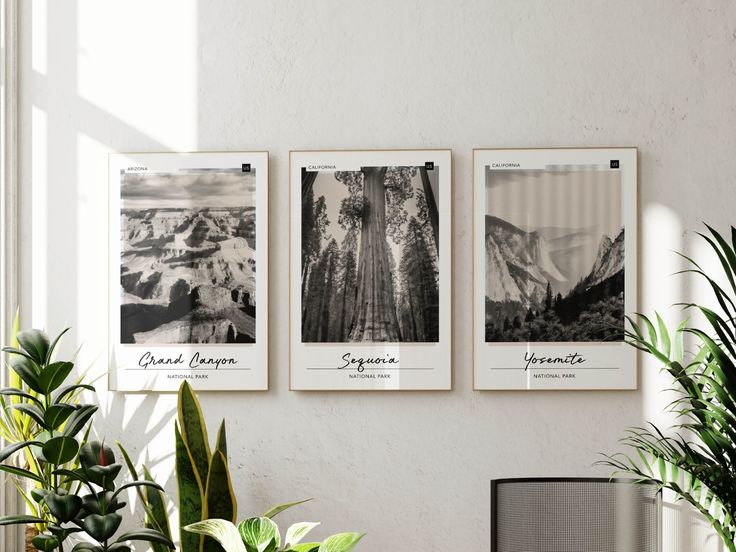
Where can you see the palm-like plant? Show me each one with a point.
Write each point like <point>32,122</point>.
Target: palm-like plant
<point>698,461</point>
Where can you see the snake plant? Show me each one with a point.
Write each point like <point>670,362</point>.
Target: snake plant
<point>202,475</point>
<point>696,458</point>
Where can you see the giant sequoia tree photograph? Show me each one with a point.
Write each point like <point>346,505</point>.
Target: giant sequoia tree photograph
<point>370,255</point>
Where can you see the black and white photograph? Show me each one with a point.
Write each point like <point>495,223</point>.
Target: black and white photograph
<point>554,268</point>
<point>369,255</point>
<point>188,270</point>
<point>187,265</point>
<point>370,269</point>
<point>554,255</point>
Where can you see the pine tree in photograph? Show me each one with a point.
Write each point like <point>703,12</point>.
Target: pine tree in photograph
<point>314,224</point>
<point>345,299</point>
<point>331,256</point>
<point>419,292</point>
<point>431,205</point>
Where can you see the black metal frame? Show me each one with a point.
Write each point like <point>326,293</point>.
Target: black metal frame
<point>496,482</point>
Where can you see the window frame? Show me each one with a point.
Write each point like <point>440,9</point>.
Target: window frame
<point>10,502</point>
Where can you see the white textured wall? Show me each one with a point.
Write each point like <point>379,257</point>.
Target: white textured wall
<point>411,469</point>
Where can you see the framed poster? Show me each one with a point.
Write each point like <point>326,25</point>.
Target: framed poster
<point>188,298</point>
<point>370,270</point>
<point>554,268</point>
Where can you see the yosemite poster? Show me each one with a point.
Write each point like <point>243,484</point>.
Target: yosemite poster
<point>555,237</point>
<point>189,258</point>
<point>370,300</point>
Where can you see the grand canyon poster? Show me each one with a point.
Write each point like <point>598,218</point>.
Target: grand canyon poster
<point>370,269</point>
<point>555,274</point>
<point>188,270</point>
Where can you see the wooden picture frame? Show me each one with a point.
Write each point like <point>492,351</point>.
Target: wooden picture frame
<point>554,249</point>
<point>368,229</point>
<point>187,231</point>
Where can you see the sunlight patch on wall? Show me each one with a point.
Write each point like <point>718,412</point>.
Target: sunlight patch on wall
<point>39,34</point>
<point>139,71</point>
<point>39,236</point>
<point>91,270</point>
<point>661,236</point>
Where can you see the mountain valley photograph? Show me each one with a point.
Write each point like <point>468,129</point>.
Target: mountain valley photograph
<point>554,256</point>
<point>370,255</point>
<point>187,266</point>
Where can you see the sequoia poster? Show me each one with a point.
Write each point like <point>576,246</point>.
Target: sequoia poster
<point>370,270</point>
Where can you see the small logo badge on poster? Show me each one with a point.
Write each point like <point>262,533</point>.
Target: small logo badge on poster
<point>246,167</point>
<point>614,164</point>
<point>429,165</point>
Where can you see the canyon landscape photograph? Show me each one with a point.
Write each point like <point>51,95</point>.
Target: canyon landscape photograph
<point>554,256</point>
<point>188,264</point>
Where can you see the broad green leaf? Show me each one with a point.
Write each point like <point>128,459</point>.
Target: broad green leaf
<point>101,528</point>
<point>104,476</point>
<point>60,450</point>
<point>31,410</point>
<point>35,343</point>
<point>281,507</point>
<point>63,507</point>
<point>45,543</point>
<point>297,532</point>
<point>191,494</point>
<point>222,531</point>
<point>341,542</point>
<point>26,370</point>
<point>57,414</point>
<point>79,419</point>
<point>146,535</point>
<point>54,375</point>
<point>257,532</point>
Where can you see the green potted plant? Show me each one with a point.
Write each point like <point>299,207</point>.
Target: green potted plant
<point>696,458</point>
<point>74,480</point>
<point>207,504</point>
<point>261,534</point>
